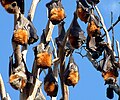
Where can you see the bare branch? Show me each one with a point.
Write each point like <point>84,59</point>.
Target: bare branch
<point>48,31</point>
<point>104,27</point>
<point>3,93</point>
<point>32,9</point>
<point>118,20</point>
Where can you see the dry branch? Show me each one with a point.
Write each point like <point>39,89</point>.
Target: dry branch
<point>3,93</point>
<point>31,94</point>
<point>32,9</point>
<point>104,27</point>
<point>48,31</point>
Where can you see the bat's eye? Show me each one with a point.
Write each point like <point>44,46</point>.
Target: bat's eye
<point>20,79</point>
<point>14,4</point>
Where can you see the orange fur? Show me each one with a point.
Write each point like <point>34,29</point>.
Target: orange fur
<point>82,14</point>
<point>12,77</point>
<point>49,88</point>
<point>20,36</point>
<point>57,14</point>
<point>15,83</point>
<point>93,29</point>
<point>107,75</point>
<point>73,77</point>
<point>44,60</point>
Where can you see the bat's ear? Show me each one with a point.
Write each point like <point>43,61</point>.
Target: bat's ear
<point>56,12</point>
<point>21,5</point>
<point>93,2</point>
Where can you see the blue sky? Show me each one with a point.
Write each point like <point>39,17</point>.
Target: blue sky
<point>91,85</point>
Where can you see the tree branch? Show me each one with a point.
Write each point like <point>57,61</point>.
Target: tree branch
<point>104,27</point>
<point>3,93</point>
<point>32,9</point>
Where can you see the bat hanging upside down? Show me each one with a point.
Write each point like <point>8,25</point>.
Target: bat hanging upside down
<point>76,35</point>
<point>82,10</point>
<point>19,76</point>
<point>50,84</point>
<point>56,12</point>
<point>71,74</point>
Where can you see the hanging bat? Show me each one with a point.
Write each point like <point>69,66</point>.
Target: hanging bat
<point>50,84</point>
<point>83,10</point>
<point>110,73</point>
<point>110,93</point>
<point>95,46</point>
<point>24,32</point>
<point>93,2</point>
<point>56,12</point>
<point>76,35</point>
<point>71,74</point>
<point>19,76</point>
<point>43,56</point>
<point>93,27</point>
<point>13,6</point>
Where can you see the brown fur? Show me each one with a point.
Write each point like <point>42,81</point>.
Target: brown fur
<point>57,14</point>
<point>74,41</point>
<point>44,60</point>
<point>17,85</point>
<point>107,75</point>
<point>49,88</point>
<point>82,14</point>
<point>93,29</point>
<point>73,77</point>
<point>20,36</point>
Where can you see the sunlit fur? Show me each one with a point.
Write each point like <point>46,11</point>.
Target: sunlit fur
<point>93,29</point>
<point>44,60</point>
<point>82,14</point>
<point>17,82</point>
<point>73,77</point>
<point>49,88</point>
<point>20,36</point>
<point>57,15</point>
<point>109,74</point>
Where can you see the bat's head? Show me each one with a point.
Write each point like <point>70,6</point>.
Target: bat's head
<point>10,7</point>
<point>56,12</point>
<point>18,80</point>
